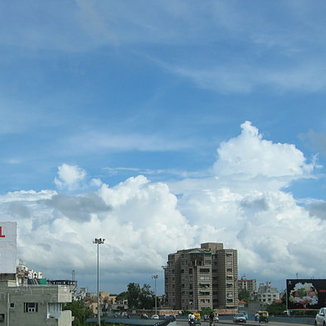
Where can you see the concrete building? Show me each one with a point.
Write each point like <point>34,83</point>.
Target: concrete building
<point>248,285</point>
<point>202,277</point>
<point>26,298</point>
<point>266,294</point>
<point>33,305</point>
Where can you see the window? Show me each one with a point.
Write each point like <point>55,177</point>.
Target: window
<point>30,307</point>
<point>12,305</point>
<point>204,270</point>
<point>2,318</point>
<point>204,285</point>
<point>54,310</point>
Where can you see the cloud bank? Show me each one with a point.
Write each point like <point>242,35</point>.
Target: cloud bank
<point>243,203</point>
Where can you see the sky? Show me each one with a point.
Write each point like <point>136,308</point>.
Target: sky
<point>160,125</point>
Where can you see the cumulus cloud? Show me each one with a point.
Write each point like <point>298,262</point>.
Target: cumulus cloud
<point>69,176</point>
<point>251,155</point>
<point>143,221</point>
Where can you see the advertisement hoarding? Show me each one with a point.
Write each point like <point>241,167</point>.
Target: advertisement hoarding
<point>8,247</point>
<point>306,293</point>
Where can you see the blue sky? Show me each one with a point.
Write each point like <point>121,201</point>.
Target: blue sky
<point>93,93</point>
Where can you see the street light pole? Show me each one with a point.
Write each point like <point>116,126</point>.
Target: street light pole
<point>155,277</point>
<point>98,241</point>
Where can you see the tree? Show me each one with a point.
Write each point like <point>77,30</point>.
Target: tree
<point>244,295</point>
<point>206,311</point>
<point>133,293</point>
<point>80,311</point>
<point>138,297</point>
<point>146,297</point>
<point>122,296</point>
<point>276,308</point>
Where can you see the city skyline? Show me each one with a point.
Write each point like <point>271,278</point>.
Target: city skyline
<point>159,126</point>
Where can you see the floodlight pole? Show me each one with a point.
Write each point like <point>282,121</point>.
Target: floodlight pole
<point>155,277</point>
<point>98,241</point>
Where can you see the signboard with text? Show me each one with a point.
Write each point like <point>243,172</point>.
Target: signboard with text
<point>8,247</point>
<point>306,293</point>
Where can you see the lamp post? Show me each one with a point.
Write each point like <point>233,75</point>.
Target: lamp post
<point>155,277</point>
<point>98,241</point>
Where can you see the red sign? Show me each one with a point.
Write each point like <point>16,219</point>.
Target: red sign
<point>1,235</point>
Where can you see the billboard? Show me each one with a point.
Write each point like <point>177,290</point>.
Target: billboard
<point>306,293</point>
<point>8,247</point>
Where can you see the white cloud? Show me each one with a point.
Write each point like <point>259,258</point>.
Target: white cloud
<point>250,155</point>
<point>69,176</point>
<point>144,221</point>
<point>245,78</point>
<point>96,141</point>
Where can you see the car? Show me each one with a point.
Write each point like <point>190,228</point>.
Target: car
<point>320,319</point>
<point>155,317</point>
<point>239,318</point>
<point>244,313</point>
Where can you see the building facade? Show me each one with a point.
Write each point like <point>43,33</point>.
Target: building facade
<point>247,285</point>
<point>33,305</point>
<point>204,277</point>
<point>266,294</point>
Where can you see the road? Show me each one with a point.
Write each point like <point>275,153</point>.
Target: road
<point>249,323</point>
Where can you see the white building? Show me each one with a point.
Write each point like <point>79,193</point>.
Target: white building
<point>266,294</point>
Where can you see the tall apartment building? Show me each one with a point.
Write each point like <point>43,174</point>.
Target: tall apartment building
<point>202,277</point>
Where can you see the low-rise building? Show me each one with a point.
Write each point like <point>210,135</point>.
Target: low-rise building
<point>33,305</point>
<point>266,294</point>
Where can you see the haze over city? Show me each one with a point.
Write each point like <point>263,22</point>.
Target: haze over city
<point>160,125</point>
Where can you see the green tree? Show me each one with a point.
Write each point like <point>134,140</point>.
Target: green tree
<point>244,295</point>
<point>206,311</point>
<point>276,308</point>
<point>139,297</point>
<point>146,297</point>
<point>133,293</point>
<point>122,296</point>
<point>80,311</point>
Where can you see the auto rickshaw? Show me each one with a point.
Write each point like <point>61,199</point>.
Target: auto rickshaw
<point>197,317</point>
<point>263,316</point>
